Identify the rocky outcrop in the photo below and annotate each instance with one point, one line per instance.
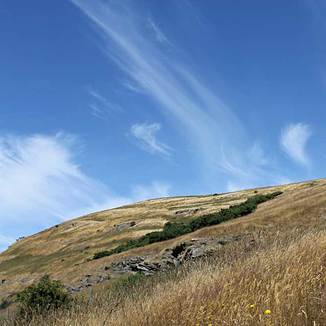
(137, 264)
(195, 248)
(88, 281)
(148, 265)
(123, 226)
(187, 212)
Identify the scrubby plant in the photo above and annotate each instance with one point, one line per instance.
(100, 254)
(173, 230)
(4, 304)
(46, 295)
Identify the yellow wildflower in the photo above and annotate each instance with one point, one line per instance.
(252, 305)
(267, 312)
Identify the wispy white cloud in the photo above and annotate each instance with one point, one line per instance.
(159, 35)
(132, 86)
(233, 186)
(294, 139)
(198, 112)
(100, 106)
(98, 112)
(42, 184)
(249, 169)
(40, 175)
(156, 189)
(145, 134)
(257, 154)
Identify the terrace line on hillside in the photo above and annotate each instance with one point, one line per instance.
(173, 230)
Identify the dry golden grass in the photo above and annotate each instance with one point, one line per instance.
(280, 265)
(63, 251)
(289, 279)
(285, 274)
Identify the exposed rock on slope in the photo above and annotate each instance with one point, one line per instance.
(150, 264)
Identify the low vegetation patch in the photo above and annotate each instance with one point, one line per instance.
(46, 295)
(173, 230)
(4, 304)
(127, 283)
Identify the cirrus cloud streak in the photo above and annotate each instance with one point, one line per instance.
(294, 139)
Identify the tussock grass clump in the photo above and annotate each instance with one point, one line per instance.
(173, 230)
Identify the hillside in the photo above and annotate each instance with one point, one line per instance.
(65, 251)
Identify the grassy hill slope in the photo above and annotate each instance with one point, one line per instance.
(64, 251)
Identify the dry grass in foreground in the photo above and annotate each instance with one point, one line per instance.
(282, 281)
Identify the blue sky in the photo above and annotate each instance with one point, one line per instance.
(109, 102)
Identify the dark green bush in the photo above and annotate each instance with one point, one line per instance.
(173, 230)
(44, 296)
(4, 304)
(100, 254)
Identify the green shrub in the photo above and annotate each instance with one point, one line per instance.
(4, 304)
(44, 296)
(173, 230)
(100, 254)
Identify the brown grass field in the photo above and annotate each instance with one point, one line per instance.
(276, 275)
